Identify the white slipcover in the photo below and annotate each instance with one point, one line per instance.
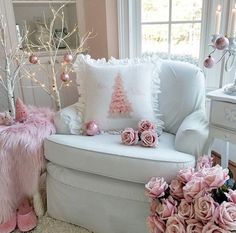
(103, 160)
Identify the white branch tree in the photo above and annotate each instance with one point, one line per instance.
(52, 47)
(13, 60)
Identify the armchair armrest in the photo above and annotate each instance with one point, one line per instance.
(192, 134)
(68, 120)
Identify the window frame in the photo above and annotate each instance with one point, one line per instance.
(129, 31)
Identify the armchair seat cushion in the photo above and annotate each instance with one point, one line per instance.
(105, 155)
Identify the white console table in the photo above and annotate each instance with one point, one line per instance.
(222, 123)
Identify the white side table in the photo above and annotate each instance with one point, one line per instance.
(222, 123)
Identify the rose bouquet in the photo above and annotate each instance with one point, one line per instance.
(197, 200)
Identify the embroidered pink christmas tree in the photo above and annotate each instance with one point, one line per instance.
(21, 111)
(120, 105)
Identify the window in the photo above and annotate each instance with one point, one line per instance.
(175, 29)
(169, 32)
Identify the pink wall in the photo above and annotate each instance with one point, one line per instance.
(100, 17)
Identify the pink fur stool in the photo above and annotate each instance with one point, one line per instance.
(22, 160)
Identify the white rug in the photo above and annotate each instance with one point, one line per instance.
(49, 225)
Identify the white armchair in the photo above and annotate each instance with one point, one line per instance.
(98, 183)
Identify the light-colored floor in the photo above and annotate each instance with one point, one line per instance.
(49, 225)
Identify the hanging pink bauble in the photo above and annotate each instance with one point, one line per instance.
(65, 77)
(33, 59)
(209, 62)
(222, 43)
(68, 58)
(91, 128)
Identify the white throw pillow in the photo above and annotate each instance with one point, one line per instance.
(118, 93)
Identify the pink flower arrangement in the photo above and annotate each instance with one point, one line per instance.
(201, 200)
(146, 133)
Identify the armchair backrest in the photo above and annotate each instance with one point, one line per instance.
(182, 92)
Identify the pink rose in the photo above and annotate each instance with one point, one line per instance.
(155, 224)
(153, 206)
(149, 138)
(194, 226)
(144, 125)
(211, 227)
(204, 161)
(185, 210)
(214, 177)
(231, 195)
(129, 136)
(176, 189)
(194, 189)
(185, 175)
(226, 216)
(156, 187)
(174, 224)
(166, 208)
(204, 208)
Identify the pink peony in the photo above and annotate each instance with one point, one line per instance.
(167, 208)
(174, 224)
(129, 136)
(144, 125)
(204, 208)
(231, 195)
(185, 175)
(155, 224)
(176, 189)
(226, 216)
(211, 227)
(185, 210)
(156, 187)
(194, 189)
(204, 161)
(214, 177)
(149, 138)
(194, 226)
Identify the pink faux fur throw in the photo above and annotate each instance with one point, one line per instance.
(21, 158)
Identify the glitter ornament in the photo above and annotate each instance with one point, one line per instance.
(209, 62)
(33, 59)
(65, 77)
(91, 128)
(68, 58)
(222, 43)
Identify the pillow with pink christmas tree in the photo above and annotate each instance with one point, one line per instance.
(118, 93)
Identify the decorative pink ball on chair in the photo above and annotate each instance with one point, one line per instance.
(222, 43)
(209, 62)
(91, 128)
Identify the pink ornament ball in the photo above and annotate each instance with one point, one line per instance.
(68, 58)
(33, 59)
(91, 128)
(222, 43)
(65, 77)
(209, 62)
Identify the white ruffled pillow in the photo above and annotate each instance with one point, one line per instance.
(118, 93)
